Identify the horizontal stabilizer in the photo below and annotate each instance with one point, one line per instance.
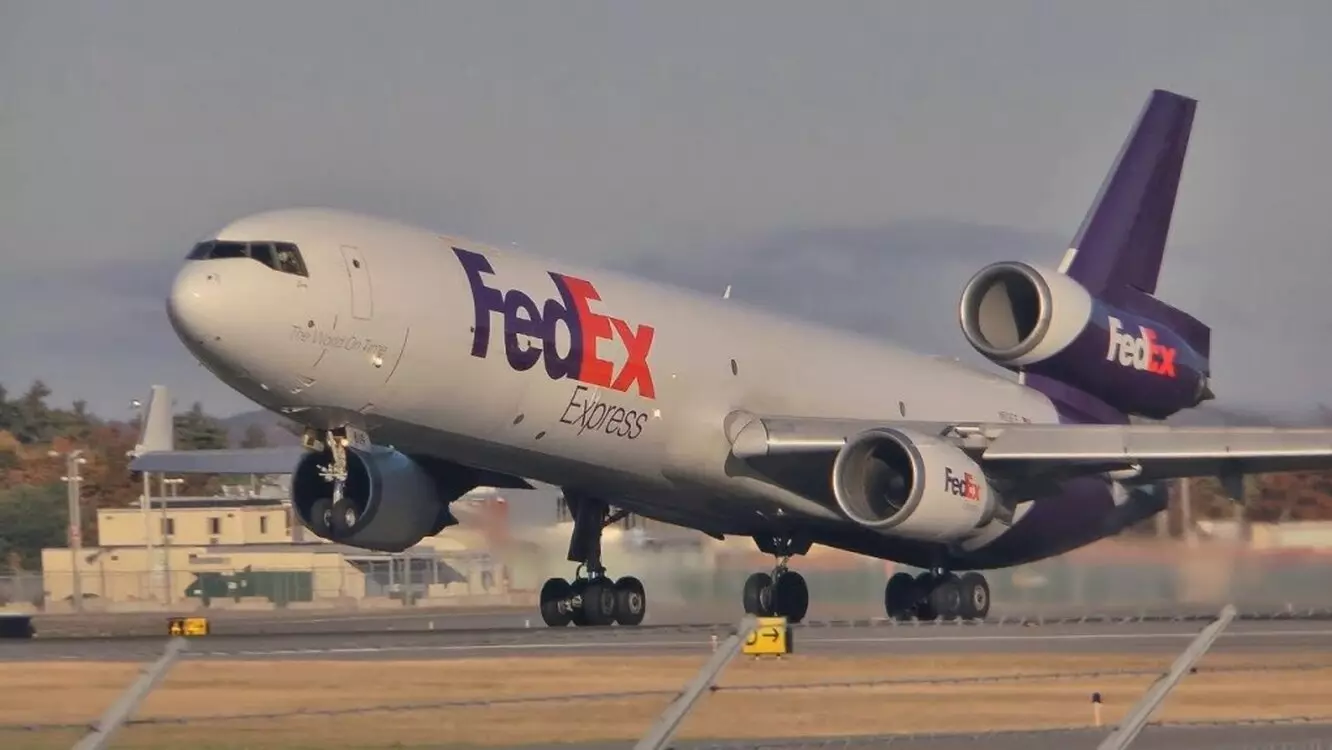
(280, 460)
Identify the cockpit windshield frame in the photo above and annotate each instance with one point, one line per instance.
(283, 257)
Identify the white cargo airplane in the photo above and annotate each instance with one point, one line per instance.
(424, 365)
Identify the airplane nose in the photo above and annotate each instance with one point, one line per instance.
(194, 302)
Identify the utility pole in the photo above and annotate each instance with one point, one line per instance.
(146, 506)
(73, 460)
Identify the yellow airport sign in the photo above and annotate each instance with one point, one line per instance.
(771, 637)
(187, 626)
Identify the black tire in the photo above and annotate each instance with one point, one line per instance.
(758, 593)
(578, 616)
(321, 517)
(975, 596)
(899, 596)
(790, 596)
(554, 592)
(630, 601)
(599, 603)
(946, 598)
(344, 518)
(922, 588)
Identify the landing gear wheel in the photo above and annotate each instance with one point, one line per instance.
(321, 517)
(344, 517)
(975, 591)
(899, 596)
(757, 594)
(599, 603)
(630, 601)
(790, 596)
(946, 598)
(922, 587)
(555, 603)
(578, 615)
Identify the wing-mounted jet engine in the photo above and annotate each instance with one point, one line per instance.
(388, 500)
(902, 483)
(1138, 355)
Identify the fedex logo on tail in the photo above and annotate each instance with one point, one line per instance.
(522, 316)
(1141, 352)
(965, 486)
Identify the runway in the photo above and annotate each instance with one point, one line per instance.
(1170, 737)
(434, 636)
(473, 635)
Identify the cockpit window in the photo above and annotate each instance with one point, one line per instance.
(229, 250)
(263, 252)
(289, 259)
(279, 256)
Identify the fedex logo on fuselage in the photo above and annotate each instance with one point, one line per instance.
(1141, 352)
(522, 316)
(965, 486)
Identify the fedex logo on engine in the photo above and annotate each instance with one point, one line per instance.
(521, 316)
(965, 486)
(1141, 352)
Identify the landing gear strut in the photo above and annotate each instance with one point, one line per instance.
(782, 593)
(937, 594)
(591, 598)
(335, 516)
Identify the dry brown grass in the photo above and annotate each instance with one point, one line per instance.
(73, 692)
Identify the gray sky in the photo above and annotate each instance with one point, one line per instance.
(681, 135)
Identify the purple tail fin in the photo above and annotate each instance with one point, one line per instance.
(1118, 250)
(1093, 336)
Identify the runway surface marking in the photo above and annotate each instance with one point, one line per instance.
(815, 641)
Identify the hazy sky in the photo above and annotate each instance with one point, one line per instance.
(674, 130)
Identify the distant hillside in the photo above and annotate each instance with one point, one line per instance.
(272, 425)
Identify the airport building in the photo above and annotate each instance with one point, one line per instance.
(245, 549)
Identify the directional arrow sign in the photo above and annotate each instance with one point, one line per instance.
(771, 637)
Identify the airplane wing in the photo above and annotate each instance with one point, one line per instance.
(1152, 451)
(279, 460)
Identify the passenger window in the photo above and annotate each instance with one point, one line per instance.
(289, 259)
(263, 252)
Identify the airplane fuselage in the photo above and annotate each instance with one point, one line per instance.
(586, 379)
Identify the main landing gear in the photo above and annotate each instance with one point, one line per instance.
(937, 594)
(593, 600)
(782, 593)
(333, 517)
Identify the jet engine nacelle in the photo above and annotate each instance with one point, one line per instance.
(390, 502)
(1026, 318)
(905, 484)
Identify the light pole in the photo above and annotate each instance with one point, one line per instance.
(73, 460)
(147, 504)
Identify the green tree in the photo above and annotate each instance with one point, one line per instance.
(32, 518)
(196, 430)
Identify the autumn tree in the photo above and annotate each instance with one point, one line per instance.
(32, 518)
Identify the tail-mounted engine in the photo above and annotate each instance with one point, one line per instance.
(901, 483)
(388, 502)
(1025, 318)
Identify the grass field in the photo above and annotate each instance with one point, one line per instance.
(68, 692)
